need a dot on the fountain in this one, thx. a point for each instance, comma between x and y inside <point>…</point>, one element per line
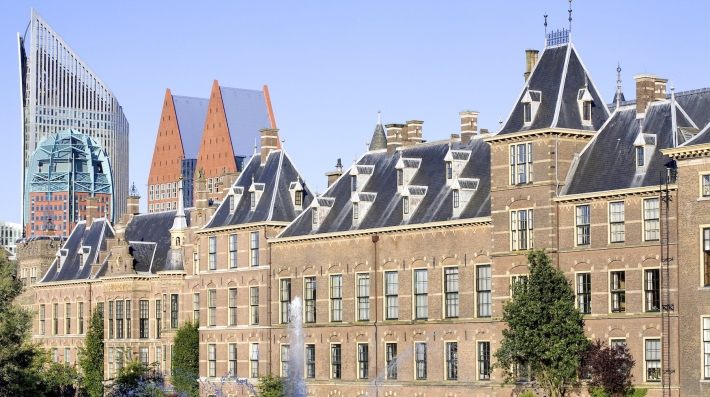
<point>296,385</point>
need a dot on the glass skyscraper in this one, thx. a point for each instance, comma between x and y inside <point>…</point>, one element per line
<point>60,91</point>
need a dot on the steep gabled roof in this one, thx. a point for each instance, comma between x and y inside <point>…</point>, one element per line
<point>247,112</point>
<point>190,113</point>
<point>703,137</point>
<point>148,237</point>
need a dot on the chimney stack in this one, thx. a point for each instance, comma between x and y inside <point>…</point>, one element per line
<point>201,195</point>
<point>649,88</point>
<point>269,142</point>
<point>530,62</point>
<point>334,175</point>
<point>414,132</point>
<point>92,210</point>
<point>469,125</point>
<point>132,204</point>
<point>394,137</point>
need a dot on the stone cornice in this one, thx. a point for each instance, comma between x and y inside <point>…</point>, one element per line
<point>539,132</point>
<point>683,152</point>
<point>638,191</point>
<point>245,226</point>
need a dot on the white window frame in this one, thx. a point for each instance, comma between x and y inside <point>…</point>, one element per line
<point>645,360</point>
<point>583,225</point>
<point>578,293</point>
<point>622,302</point>
<point>704,185</point>
<point>617,219</point>
<point>519,229</point>
<point>520,163</point>
<point>649,219</point>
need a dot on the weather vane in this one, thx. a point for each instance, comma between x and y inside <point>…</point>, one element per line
<point>570,15</point>
<point>545,24</point>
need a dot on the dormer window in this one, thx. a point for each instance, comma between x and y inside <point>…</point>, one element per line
<point>353,183</point>
<point>527,111</point>
<point>231,203</point>
<point>587,111</point>
<point>449,170</point>
<point>454,162</point>
<point>400,177</point>
<point>643,143</point>
<point>298,199</point>
<point>531,102</point>
<point>356,210</point>
<point>412,197</point>
<point>406,170</point>
<point>236,195</point>
<point>255,192</point>
<point>362,202</point>
<point>252,198</point>
<point>296,190</point>
<point>405,205</point>
<point>584,101</point>
<point>314,215</point>
<point>462,191</point>
<point>456,198</point>
<point>320,207</point>
<point>640,156</point>
<point>359,175</point>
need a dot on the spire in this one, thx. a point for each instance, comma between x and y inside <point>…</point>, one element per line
<point>179,223</point>
<point>379,139</point>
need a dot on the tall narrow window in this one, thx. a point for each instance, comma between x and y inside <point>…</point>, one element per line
<point>158,359</point>
<point>252,200</point>
<point>705,185</point>
<point>232,306</point>
<point>400,177</point>
<point>651,224</point>
<point>165,312</point>
<point>363,297</point>
<point>421,297</point>
<point>196,261</point>
<point>310,299</point>
<point>41,319</point>
<point>521,230</point>
<point>128,319</point>
<point>405,205</point>
<point>196,307</point>
<point>143,356</point>
<point>143,319</point>
<point>80,317</point>
<point>640,154</point>
<point>449,170</point>
<point>212,307</point>
<point>336,298</point>
<point>67,318</point>
<point>583,227</point>
<point>285,299</point>
<point>452,360</point>
<point>254,360</point>
<point>420,360</point>
<point>213,252</point>
<point>298,197</point>
<point>391,295</point>
<point>55,355</point>
<point>584,293</point>
<point>391,360</point>
<point>586,110</point>
<point>653,360</point>
<point>110,362</point>
<point>451,289</point>
<point>211,360</point>
<point>353,183</point>
<point>521,164</point>
<point>363,360</point>
<point>254,305</point>
<point>527,112</point>
<point>254,248</point>
<point>706,255</point>
<point>483,290</point>
<point>456,198</point>
<point>652,288</point>
<point>232,347</point>
<point>335,361</point>
<point>706,348</point>
<point>310,361</point>
<point>174,310</point>
<point>119,319</point>
<point>157,318</point>
<point>484,360</point>
<point>232,251</point>
<point>285,359</point>
<point>618,291</point>
<point>67,356</point>
<point>55,318</point>
<point>617,228</point>
<point>356,210</point>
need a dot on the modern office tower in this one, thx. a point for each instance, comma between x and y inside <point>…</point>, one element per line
<point>9,233</point>
<point>69,176</point>
<point>60,91</point>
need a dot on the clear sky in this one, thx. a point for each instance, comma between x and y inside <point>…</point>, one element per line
<point>331,65</point>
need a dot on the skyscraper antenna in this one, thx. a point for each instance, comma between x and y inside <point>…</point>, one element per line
<point>570,15</point>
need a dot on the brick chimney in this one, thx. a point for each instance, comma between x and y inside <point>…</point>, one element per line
<point>414,133</point>
<point>132,205</point>
<point>394,137</point>
<point>269,142</point>
<point>201,195</point>
<point>92,210</point>
<point>469,125</point>
<point>227,180</point>
<point>530,62</point>
<point>334,175</point>
<point>649,88</point>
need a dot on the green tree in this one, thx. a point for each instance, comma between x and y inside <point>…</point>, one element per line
<point>271,386</point>
<point>60,380</point>
<point>91,357</point>
<point>136,379</point>
<point>20,359</point>
<point>186,360</point>
<point>545,333</point>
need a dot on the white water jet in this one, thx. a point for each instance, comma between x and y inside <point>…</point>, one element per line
<point>296,385</point>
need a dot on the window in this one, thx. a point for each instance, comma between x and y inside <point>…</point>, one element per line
<point>705,185</point>
<point>55,355</point>
<point>254,305</point>
<point>285,358</point>
<point>231,203</point>
<point>391,296</point>
<point>143,356</point>
<point>110,362</point>
<point>196,260</point>
<point>67,318</point>
<point>618,291</point>
<point>310,285</point>
<point>55,318</point>
<point>584,293</point>
<point>353,182</point>
<point>391,360</point>
<point>586,110</point>
<point>110,320</point>
<point>452,360</point>
<point>119,319</point>
<point>196,307</point>
<point>456,198</point>
<point>521,164</point>
<point>653,360</point>
<point>421,298</point>
<point>400,177</point>
<point>617,227</point>
<point>527,112</point>
<point>285,299</point>
<point>640,152</point>
<point>212,307</point>
<point>484,360</point>
<point>651,224</point>
<point>516,282</point>
<point>100,309</point>
<point>254,247</point>
<point>213,252</point>
<point>706,255</point>
<point>232,251</point>
<point>310,361</point>
<point>356,210</point>
<point>582,221</point>
<point>420,360</point>
<point>165,313</point>
<point>449,170</point>
<point>363,360</point>
<point>521,230</point>
<point>174,306</point>
<point>652,290</point>
<point>143,319</point>
<point>314,216</point>
<point>158,359</point>
<point>232,347</point>
<point>157,318</point>
<point>483,290</point>
<point>252,200</point>
<point>405,205</point>
<point>298,197</point>
<point>335,361</point>
<point>232,306</point>
<point>254,360</point>
<point>451,290</point>
<point>363,297</point>
<point>706,348</point>
<point>67,355</point>
<point>41,319</point>
<point>336,298</point>
<point>212,360</point>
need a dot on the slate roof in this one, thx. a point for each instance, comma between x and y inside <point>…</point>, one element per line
<point>695,104</point>
<point>379,139</point>
<point>275,204</point>
<point>701,138</point>
<point>148,237</point>
<point>191,114</point>
<point>386,210</point>
<point>246,114</point>
<point>608,161</point>
<point>558,67</point>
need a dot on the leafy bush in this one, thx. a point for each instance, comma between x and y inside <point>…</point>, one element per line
<point>271,386</point>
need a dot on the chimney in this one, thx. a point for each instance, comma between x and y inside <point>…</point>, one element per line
<point>334,175</point>
<point>228,179</point>
<point>269,142</point>
<point>414,132</point>
<point>530,62</point>
<point>469,125</point>
<point>92,210</point>
<point>394,137</point>
<point>132,204</point>
<point>201,199</point>
<point>649,88</point>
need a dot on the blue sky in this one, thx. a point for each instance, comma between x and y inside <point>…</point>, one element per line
<point>330,66</point>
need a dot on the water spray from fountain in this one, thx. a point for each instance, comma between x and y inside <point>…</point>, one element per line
<point>296,386</point>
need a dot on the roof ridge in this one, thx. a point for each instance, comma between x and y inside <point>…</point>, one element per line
<point>563,81</point>
<point>276,185</point>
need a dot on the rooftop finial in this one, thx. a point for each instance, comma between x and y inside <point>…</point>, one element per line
<point>500,120</point>
<point>254,145</point>
<point>618,85</point>
<point>339,166</point>
<point>570,15</point>
<point>378,118</point>
<point>545,24</point>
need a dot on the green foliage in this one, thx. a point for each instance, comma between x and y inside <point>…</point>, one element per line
<point>186,360</point>
<point>60,380</point>
<point>136,379</point>
<point>633,392</point>
<point>271,386</point>
<point>91,357</point>
<point>597,392</point>
<point>545,330</point>
<point>529,394</point>
<point>636,392</point>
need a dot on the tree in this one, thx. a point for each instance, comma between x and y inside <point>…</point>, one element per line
<point>609,367</point>
<point>91,357</point>
<point>271,386</point>
<point>136,379</point>
<point>60,380</point>
<point>545,333</point>
<point>186,360</point>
